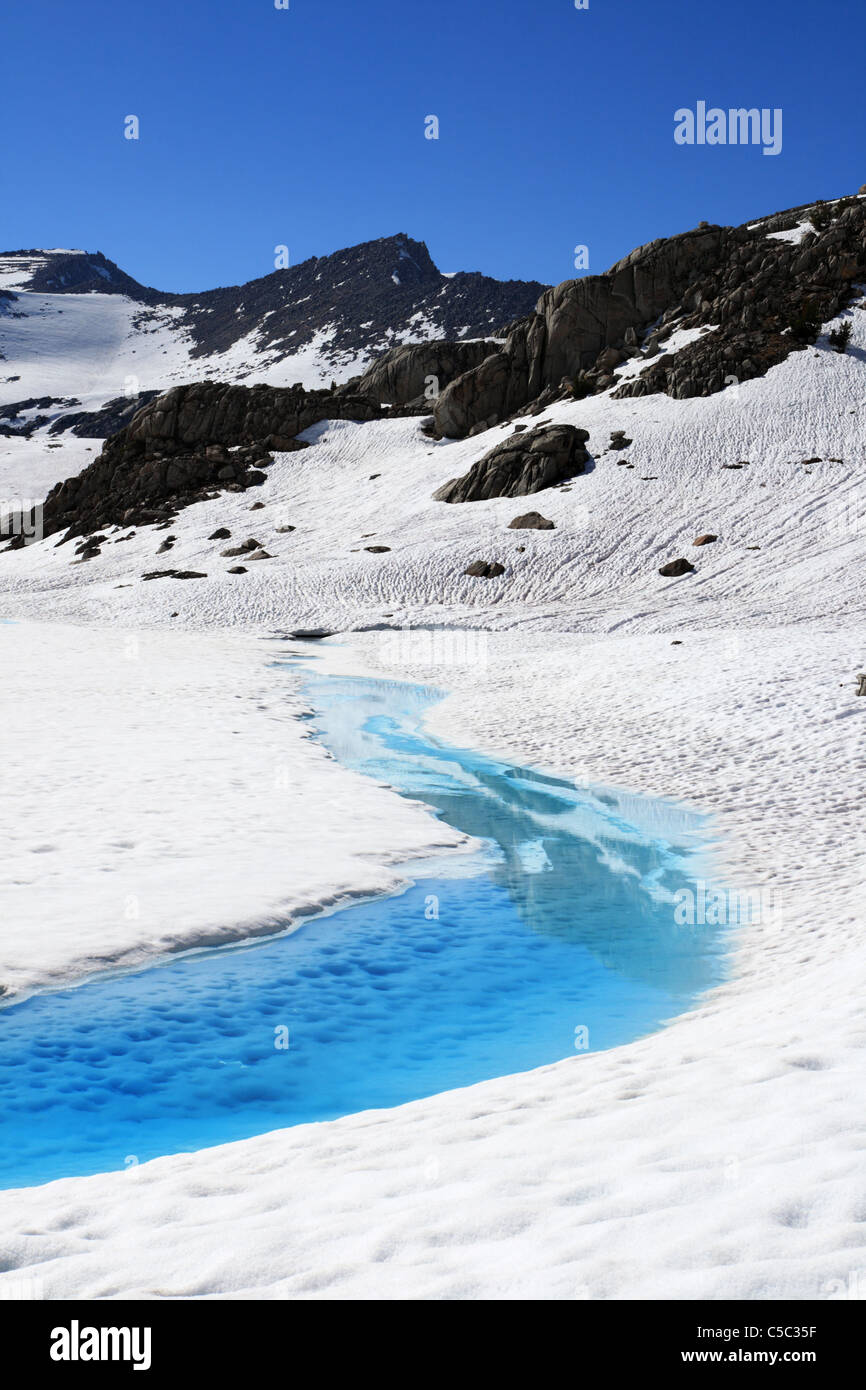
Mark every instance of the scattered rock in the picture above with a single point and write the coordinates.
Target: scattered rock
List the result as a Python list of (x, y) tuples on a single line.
[(704, 540), (283, 530), (237, 569), (485, 569), (259, 555), (531, 521), (222, 533), (619, 441), (674, 568), (174, 574), (166, 545), (245, 548), (88, 550), (377, 549)]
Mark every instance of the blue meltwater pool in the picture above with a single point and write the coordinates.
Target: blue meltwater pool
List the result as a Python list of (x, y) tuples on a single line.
[(559, 939)]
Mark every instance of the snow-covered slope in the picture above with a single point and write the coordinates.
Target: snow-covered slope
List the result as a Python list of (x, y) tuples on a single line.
[(791, 530)]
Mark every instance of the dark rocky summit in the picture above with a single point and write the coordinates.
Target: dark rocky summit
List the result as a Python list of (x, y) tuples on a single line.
[(522, 464), (360, 299)]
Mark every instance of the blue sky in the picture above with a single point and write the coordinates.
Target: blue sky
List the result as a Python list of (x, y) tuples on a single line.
[(305, 127)]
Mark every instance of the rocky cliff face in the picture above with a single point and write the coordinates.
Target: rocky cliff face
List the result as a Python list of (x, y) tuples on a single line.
[(762, 293), (411, 377), (180, 447)]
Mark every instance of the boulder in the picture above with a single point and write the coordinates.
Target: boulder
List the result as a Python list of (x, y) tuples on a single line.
[(174, 574), (521, 464), (674, 568), (704, 540), (485, 569), (245, 548), (531, 521)]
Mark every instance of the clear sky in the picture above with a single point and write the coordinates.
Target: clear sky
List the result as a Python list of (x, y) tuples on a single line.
[(305, 126)]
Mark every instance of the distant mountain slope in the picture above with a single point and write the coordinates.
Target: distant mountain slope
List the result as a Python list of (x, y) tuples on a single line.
[(75, 325)]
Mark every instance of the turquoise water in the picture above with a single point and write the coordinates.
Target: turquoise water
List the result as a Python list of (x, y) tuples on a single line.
[(559, 938)]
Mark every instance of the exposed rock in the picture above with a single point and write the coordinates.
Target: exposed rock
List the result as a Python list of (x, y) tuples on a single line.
[(283, 530), (521, 464), (764, 299), (531, 521), (237, 569), (184, 443), (174, 574), (222, 533), (23, 429), (705, 540), (674, 568), (574, 323), (100, 424), (259, 555), (415, 373), (485, 569), (377, 549), (244, 548)]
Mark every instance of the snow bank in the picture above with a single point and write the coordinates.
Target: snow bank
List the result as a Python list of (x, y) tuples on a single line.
[(161, 794)]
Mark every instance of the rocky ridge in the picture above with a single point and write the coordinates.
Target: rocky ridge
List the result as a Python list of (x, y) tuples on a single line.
[(757, 295)]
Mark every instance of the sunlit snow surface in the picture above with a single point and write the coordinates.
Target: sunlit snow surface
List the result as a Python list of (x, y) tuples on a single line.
[(561, 936)]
